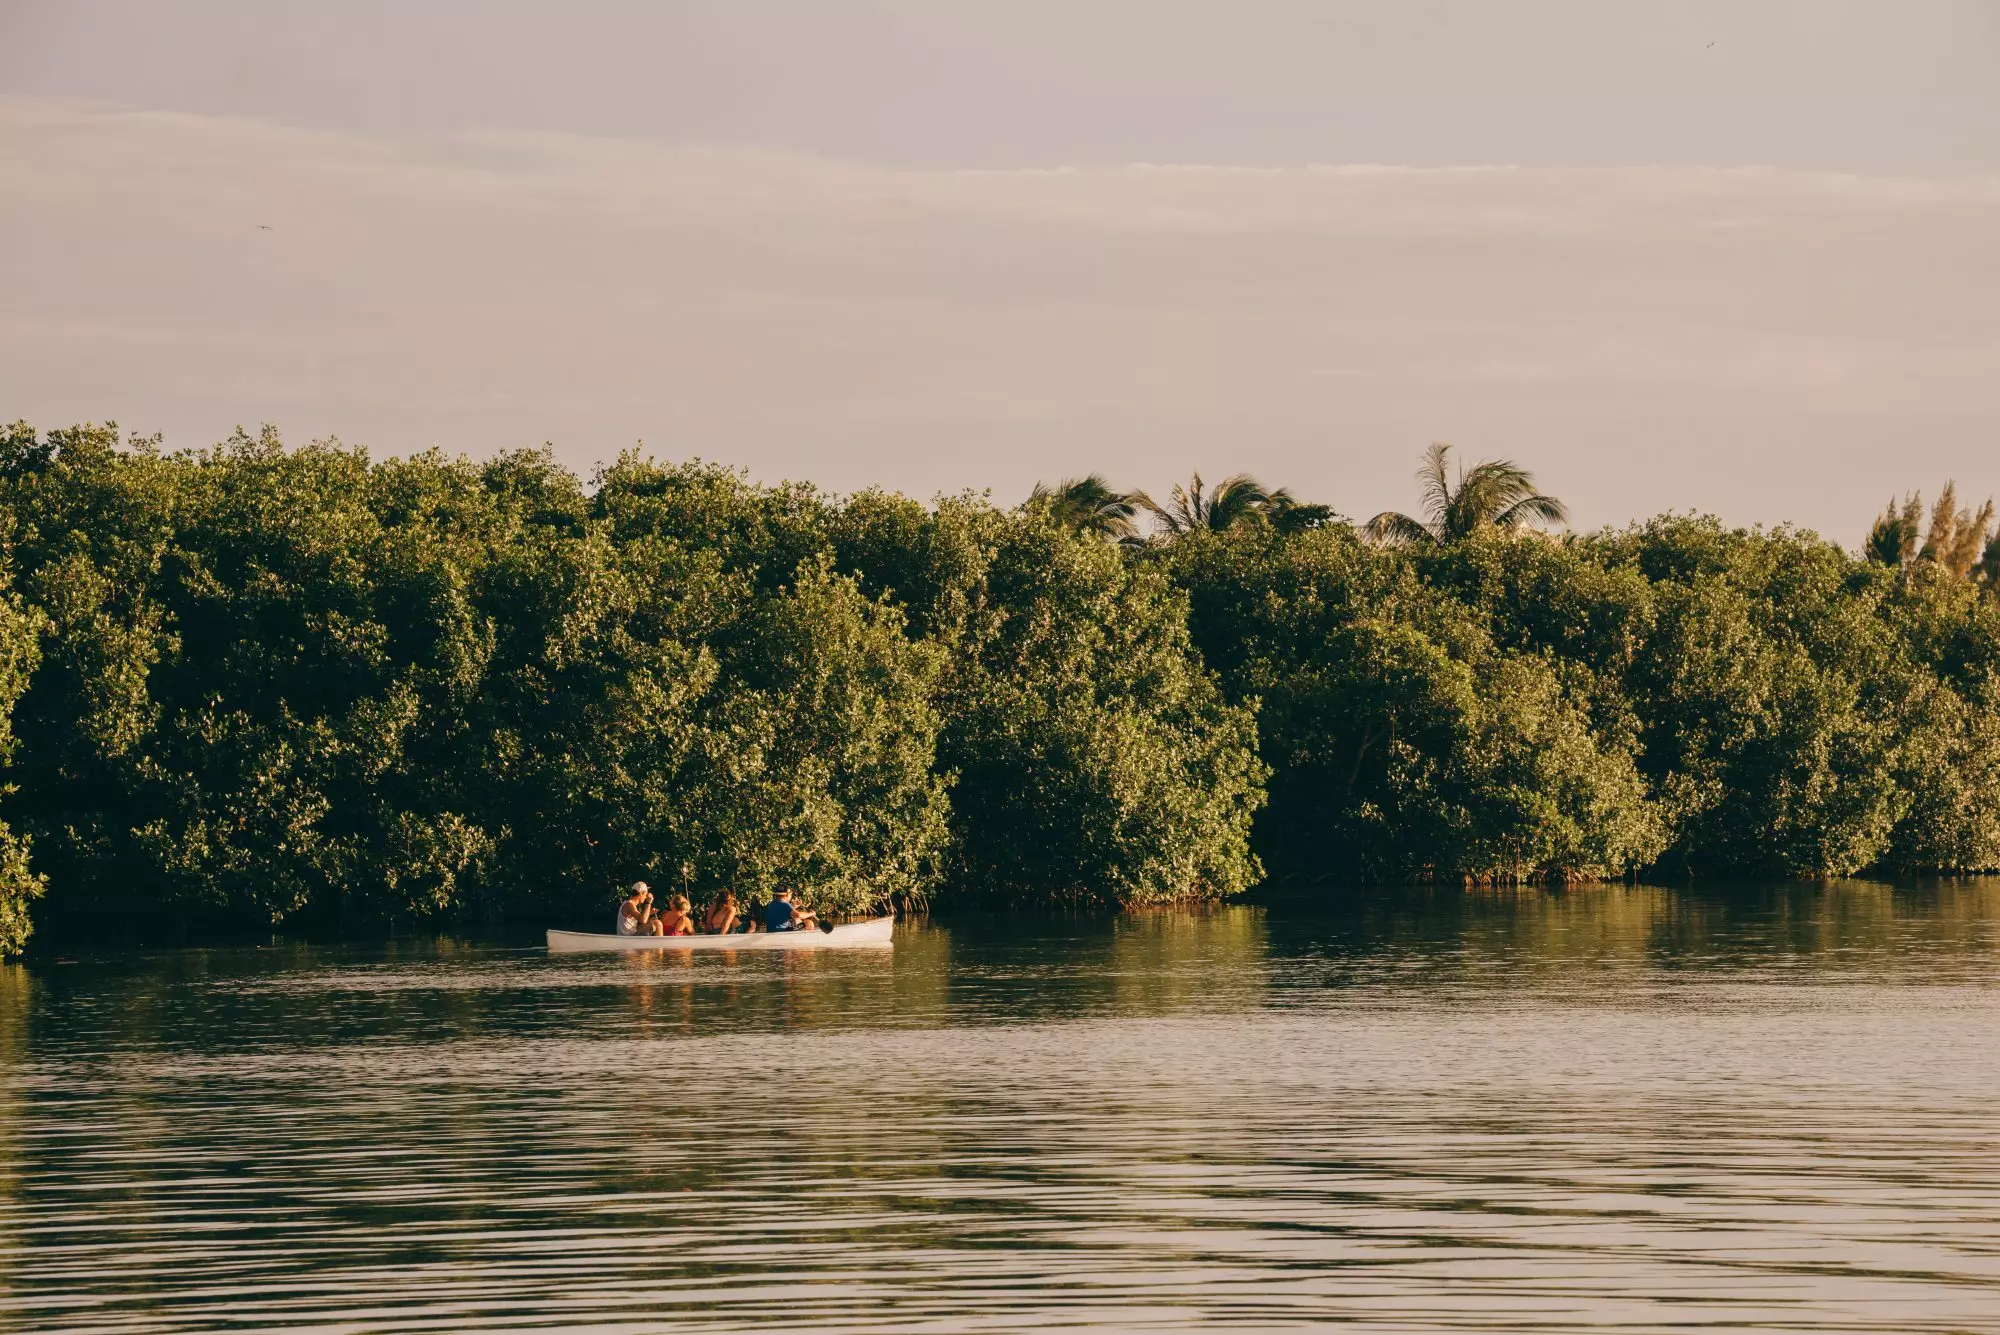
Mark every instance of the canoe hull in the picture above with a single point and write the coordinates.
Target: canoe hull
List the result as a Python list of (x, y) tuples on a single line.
[(875, 934)]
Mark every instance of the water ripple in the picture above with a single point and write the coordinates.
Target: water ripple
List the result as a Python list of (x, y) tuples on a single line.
[(1528, 1114)]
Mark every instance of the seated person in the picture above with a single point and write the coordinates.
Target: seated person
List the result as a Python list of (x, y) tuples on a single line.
[(635, 911), (781, 915), (678, 918), (722, 914)]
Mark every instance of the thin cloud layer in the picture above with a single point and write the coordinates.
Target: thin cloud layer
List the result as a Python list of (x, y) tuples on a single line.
[(1771, 344)]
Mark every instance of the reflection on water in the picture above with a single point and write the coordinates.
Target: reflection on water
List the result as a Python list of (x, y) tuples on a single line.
[(1626, 1108)]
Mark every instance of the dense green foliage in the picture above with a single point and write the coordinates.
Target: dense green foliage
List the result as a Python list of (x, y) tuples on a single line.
[(1415, 728), (20, 652), (253, 684), (1096, 757), (1676, 694)]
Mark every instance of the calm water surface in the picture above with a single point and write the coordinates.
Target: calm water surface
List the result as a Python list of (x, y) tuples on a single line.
[(1626, 1109)]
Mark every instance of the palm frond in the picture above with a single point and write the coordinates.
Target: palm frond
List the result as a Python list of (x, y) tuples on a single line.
[(1970, 540), (1233, 500), (1087, 505), (1187, 507), (1944, 523), (1485, 491), (1182, 510), (1237, 499), (1393, 528), (1434, 483), (1169, 522), (1893, 539), (1535, 509), (1494, 493)]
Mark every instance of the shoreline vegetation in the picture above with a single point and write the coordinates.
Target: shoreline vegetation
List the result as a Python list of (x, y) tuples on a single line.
[(250, 685)]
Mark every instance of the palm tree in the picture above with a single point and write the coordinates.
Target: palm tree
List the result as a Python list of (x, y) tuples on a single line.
[(1491, 494), (1189, 509), (1962, 543), (1893, 539), (1088, 505), (1957, 537), (1288, 514)]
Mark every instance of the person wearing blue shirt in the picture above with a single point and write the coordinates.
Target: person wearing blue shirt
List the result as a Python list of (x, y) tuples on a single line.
[(781, 915)]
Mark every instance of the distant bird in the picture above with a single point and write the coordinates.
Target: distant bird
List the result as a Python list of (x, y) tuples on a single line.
[(263, 227), (1706, 47)]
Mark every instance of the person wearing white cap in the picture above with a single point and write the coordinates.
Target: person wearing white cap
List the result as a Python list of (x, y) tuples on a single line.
[(635, 912)]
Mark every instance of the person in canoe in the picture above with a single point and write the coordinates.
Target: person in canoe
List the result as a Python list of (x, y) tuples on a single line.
[(722, 914), (781, 915), (635, 912), (676, 919)]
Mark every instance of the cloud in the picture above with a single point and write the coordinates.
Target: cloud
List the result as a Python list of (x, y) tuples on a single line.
[(931, 329), (67, 145)]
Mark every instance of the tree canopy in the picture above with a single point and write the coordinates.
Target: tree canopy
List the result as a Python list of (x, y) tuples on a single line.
[(271, 684), (257, 684)]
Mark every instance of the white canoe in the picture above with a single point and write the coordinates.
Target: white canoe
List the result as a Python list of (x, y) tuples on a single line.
[(876, 933)]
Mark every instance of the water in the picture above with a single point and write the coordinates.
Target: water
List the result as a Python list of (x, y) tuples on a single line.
[(1622, 1109)]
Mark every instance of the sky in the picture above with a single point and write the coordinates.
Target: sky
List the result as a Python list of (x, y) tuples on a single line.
[(1741, 258)]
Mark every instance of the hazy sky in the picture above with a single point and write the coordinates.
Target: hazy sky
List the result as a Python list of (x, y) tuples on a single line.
[(1742, 257)]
